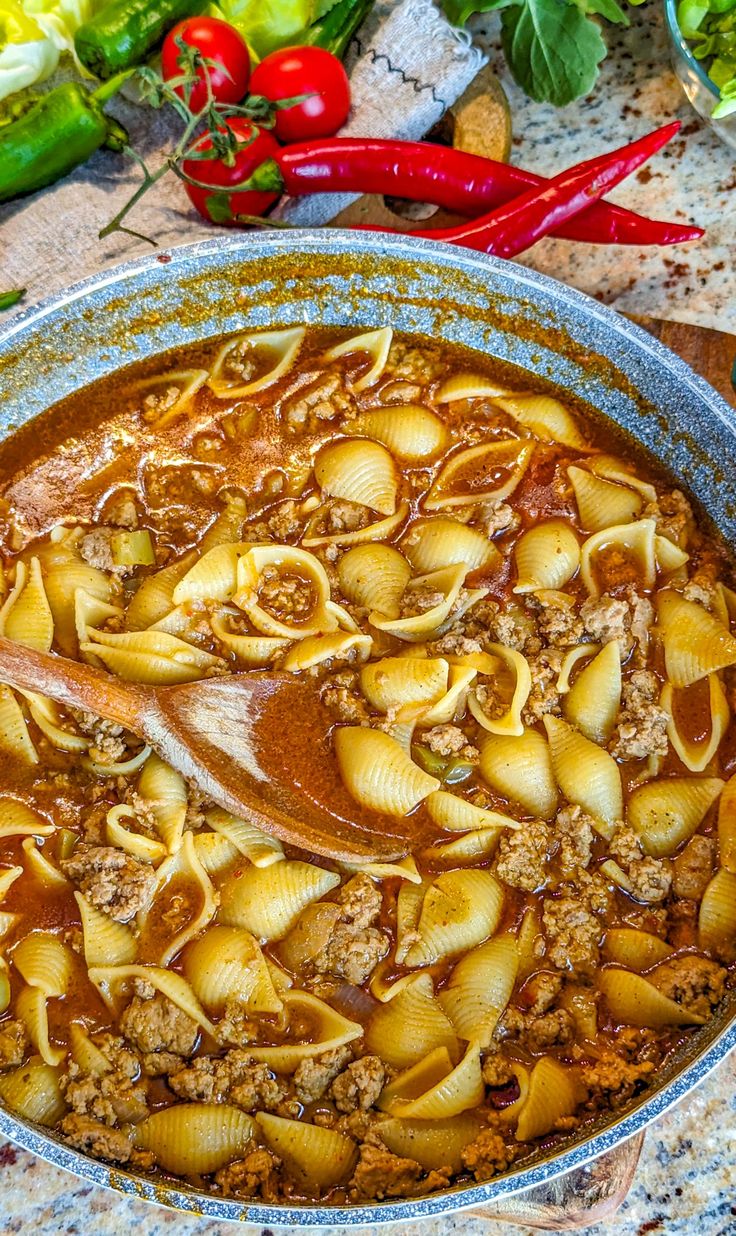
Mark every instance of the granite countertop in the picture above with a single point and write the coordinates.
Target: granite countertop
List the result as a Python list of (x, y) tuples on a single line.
[(686, 1180)]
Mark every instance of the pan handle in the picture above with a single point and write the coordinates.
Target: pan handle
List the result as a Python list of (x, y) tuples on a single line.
[(580, 1198)]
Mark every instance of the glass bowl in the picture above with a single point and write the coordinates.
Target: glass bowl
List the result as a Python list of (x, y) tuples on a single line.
[(698, 87)]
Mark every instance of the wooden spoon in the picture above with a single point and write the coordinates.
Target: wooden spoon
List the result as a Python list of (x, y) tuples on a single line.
[(258, 744)]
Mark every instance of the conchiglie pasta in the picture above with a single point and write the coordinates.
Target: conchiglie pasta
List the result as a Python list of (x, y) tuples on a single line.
[(376, 343), (106, 942), (415, 1080), (634, 949), (264, 357), (394, 682), (593, 701), (110, 980), (470, 848), (17, 820), (267, 901), (186, 381), (411, 432), (254, 651), (460, 1090), (8, 876), (585, 773), (154, 599), (431, 1143), (45, 962), (165, 792), (86, 1055), (316, 1158), (150, 657), (554, 1092), (635, 1001), (408, 1027), (479, 989), (727, 826), (15, 740), (194, 1138), (452, 703), (460, 909), (666, 813), (456, 814), (48, 717), (380, 530), (622, 473), (547, 556), (717, 916), (287, 563), (328, 1029), (509, 722), (216, 854), (696, 752), (258, 847), (184, 897), (138, 844), (378, 773), (469, 386), (521, 769), (33, 1092), (431, 544), (546, 417), (374, 577), (226, 963), (695, 643), (486, 473), (632, 544), (64, 573), (30, 1007), (429, 622), (37, 864), (26, 615), (602, 504), (357, 470)]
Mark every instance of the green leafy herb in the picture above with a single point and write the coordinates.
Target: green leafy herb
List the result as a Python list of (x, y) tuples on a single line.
[(458, 11), (710, 25), (8, 299), (552, 49)]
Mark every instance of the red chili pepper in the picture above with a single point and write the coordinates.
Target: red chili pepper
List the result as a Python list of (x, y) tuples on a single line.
[(463, 183), (518, 225)]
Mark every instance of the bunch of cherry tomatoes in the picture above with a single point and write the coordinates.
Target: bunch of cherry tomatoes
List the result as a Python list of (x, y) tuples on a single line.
[(310, 75)]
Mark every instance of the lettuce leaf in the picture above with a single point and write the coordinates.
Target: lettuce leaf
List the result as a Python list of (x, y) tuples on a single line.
[(269, 24)]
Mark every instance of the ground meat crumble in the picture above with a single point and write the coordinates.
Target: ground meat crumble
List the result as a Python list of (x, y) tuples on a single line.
[(110, 879)]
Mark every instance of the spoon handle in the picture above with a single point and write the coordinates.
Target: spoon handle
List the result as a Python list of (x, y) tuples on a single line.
[(74, 684)]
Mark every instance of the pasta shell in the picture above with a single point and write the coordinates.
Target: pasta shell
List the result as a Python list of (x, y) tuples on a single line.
[(381, 530), (194, 1138), (327, 1030), (529, 942), (17, 820), (38, 865), (457, 815), (460, 1090), (696, 753), (431, 544), (183, 900), (8, 876), (33, 1092), (64, 574), (416, 1080), (460, 909), (510, 721), (695, 643), (470, 848), (428, 623), (431, 1143), (378, 773), (315, 1157), (602, 504), (374, 577), (376, 343), (479, 989), (258, 847), (621, 472), (287, 562), (412, 433), (593, 701), (469, 386), (554, 1092), (318, 649), (8, 922), (86, 1054), (106, 942), (586, 774), (635, 1001), (107, 980), (122, 768), (226, 963), (667, 812), (404, 869), (251, 650), (14, 737), (45, 962), (452, 703), (30, 1006), (165, 792), (89, 613), (633, 544), (358, 471), (213, 577), (547, 556), (215, 853), (489, 472), (186, 381), (717, 917), (48, 717), (408, 909), (137, 844), (394, 682), (669, 557), (151, 657), (579, 653), (727, 826), (273, 352), (26, 615), (546, 417), (407, 1028), (634, 949), (267, 901), (521, 769), (155, 596)]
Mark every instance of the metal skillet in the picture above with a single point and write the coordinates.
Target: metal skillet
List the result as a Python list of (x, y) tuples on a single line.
[(505, 311)]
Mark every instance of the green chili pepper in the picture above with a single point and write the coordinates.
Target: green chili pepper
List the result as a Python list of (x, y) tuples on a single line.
[(335, 30), (8, 299), (449, 770), (123, 33), (60, 131)]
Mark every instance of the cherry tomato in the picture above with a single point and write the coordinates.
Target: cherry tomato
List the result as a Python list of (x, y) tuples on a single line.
[(217, 41), (310, 71), (214, 203)]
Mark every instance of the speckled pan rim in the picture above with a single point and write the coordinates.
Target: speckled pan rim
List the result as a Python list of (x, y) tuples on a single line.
[(524, 282)]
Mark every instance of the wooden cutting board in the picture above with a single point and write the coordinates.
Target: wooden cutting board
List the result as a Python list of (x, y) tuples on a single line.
[(711, 353)]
